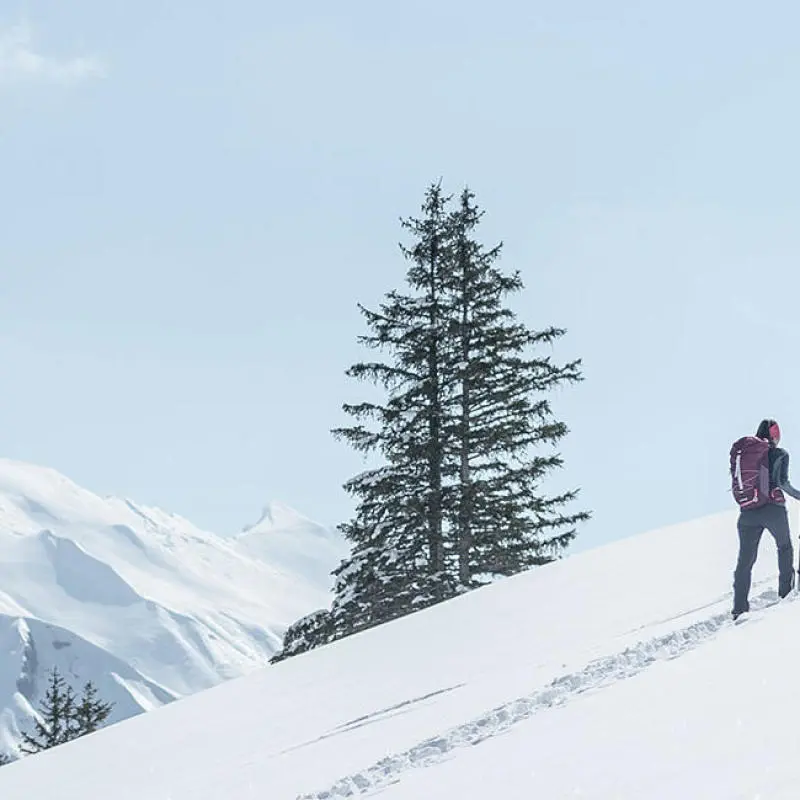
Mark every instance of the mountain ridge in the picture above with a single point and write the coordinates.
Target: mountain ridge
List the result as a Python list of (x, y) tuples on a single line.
[(105, 587)]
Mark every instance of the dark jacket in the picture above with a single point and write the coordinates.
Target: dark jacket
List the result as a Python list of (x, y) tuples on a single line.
[(779, 473)]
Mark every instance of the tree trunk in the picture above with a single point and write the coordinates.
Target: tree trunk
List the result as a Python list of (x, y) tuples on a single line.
[(465, 498), (435, 428)]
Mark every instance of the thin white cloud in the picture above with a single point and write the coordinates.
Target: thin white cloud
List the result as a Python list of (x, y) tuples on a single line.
[(20, 63)]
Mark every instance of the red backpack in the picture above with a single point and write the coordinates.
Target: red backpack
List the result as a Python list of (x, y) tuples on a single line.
[(750, 472)]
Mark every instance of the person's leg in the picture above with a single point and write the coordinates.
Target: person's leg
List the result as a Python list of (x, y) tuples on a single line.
[(777, 523), (749, 537)]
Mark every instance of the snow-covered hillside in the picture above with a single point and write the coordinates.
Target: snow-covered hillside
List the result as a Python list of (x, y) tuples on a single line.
[(615, 673), (137, 600)]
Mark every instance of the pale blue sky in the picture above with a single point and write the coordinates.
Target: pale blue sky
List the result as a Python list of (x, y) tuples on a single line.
[(195, 195)]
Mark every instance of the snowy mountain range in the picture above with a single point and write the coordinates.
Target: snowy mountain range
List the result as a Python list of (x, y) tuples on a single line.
[(614, 673), (141, 602)]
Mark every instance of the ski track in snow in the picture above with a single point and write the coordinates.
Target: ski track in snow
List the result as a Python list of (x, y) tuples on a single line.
[(375, 716), (598, 674)]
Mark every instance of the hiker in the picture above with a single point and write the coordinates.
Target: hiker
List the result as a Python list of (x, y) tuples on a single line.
[(760, 475)]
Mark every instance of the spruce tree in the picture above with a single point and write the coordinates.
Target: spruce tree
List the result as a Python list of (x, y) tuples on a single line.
[(91, 713), (54, 725), (465, 436), (398, 559), (498, 415), (62, 718)]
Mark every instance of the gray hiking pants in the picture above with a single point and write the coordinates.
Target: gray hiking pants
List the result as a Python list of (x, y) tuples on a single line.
[(751, 525)]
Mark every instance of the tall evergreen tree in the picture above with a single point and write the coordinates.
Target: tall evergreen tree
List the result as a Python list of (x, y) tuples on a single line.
[(397, 534), (54, 724), (498, 414), (457, 498)]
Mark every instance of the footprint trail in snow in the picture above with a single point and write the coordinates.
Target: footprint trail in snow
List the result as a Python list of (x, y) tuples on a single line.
[(601, 672)]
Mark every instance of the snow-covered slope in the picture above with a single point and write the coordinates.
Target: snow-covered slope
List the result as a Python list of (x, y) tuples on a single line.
[(137, 600), (615, 673)]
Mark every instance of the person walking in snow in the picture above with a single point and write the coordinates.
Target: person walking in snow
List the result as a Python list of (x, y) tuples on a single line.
[(760, 476)]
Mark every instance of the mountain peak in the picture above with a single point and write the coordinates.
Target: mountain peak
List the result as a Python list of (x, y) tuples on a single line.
[(276, 516)]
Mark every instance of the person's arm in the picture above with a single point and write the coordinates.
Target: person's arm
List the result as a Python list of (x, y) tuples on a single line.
[(782, 476)]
